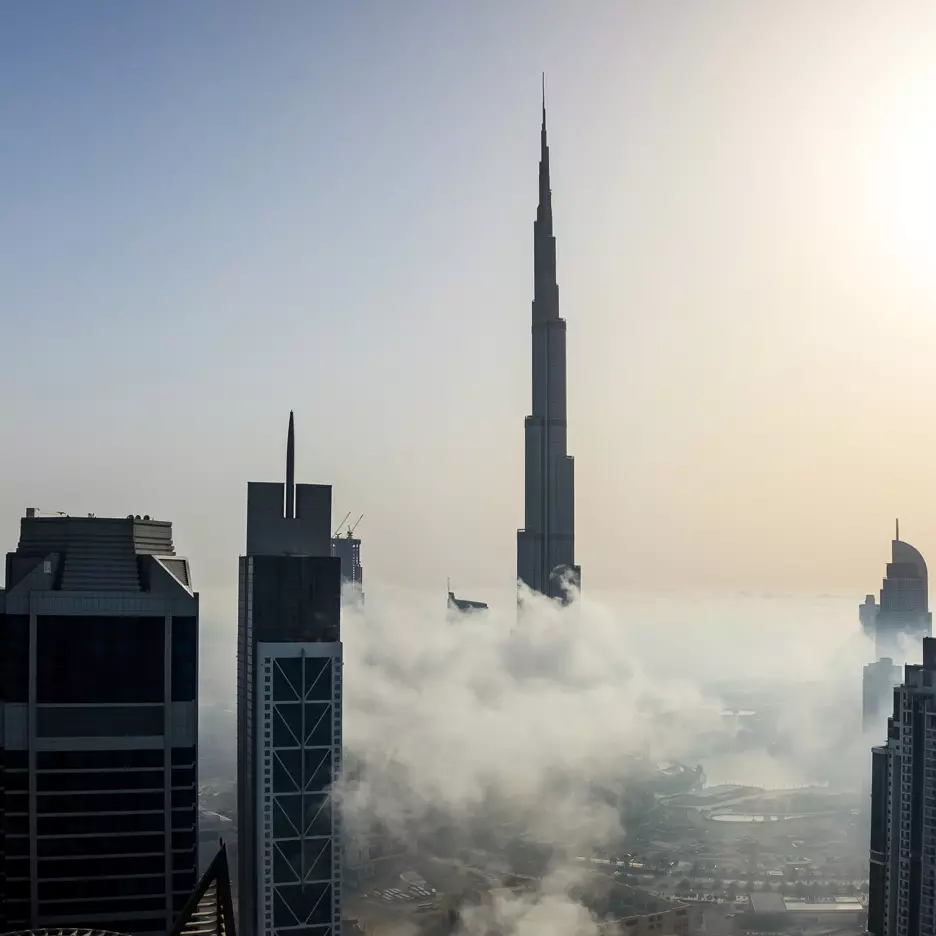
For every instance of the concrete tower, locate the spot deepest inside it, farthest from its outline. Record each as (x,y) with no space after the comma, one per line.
(546,544)
(289,712)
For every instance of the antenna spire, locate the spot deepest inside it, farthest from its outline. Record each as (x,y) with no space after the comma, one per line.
(544,100)
(897,530)
(291,469)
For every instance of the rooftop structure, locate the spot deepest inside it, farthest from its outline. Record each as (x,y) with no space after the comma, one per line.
(464,604)
(774,910)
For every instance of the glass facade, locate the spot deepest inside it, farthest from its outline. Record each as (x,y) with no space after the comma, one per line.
(99,659)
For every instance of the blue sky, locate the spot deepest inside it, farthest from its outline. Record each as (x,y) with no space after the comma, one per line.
(215,212)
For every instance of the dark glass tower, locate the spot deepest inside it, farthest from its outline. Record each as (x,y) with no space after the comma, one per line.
(546,544)
(98,726)
(902,877)
(289,712)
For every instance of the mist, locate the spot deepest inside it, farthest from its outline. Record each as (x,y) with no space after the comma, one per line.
(480,734)
(498,706)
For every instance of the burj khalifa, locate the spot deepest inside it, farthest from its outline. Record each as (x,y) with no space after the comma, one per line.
(546,544)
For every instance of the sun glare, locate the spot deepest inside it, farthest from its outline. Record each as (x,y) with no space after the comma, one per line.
(907,185)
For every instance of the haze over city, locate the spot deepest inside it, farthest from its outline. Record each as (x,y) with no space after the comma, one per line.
(655,696)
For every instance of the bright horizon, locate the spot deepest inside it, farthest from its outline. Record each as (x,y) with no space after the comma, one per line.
(216,215)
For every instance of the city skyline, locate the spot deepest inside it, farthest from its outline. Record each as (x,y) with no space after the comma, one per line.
(737,268)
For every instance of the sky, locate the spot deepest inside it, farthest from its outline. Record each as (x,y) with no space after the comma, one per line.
(214,213)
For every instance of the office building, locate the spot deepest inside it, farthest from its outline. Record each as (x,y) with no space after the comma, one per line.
(289,712)
(546,544)
(903,613)
(902,890)
(98,726)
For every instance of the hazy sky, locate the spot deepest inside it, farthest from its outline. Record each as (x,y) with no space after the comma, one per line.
(214,212)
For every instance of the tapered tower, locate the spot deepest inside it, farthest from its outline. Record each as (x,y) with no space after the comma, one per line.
(546,544)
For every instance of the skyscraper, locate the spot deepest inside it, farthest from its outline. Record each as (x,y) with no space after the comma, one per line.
(867,615)
(347,547)
(877,690)
(546,544)
(903,612)
(289,711)
(98,726)
(902,891)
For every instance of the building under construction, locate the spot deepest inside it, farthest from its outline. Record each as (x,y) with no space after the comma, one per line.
(347,547)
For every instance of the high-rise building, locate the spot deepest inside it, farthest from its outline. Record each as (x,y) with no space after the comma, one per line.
(867,615)
(289,712)
(546,544)
(902,892)
(877,692)
(347,547)
(903,612)
(98,726)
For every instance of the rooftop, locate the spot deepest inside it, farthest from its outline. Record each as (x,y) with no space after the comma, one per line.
(767,902)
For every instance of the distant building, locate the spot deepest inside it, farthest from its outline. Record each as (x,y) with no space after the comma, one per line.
(772,912)
(98,726)
(877,694)
(867,615)
(903,612)
(903,823)
(347,547)
(289,711)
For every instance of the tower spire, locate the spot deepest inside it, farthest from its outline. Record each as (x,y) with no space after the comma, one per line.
(544,210)
(291,469)
(897,529)
(544,101)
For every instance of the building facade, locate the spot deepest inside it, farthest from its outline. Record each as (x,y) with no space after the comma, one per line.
(546,544)
(98,726)
(289,712)
(902,890)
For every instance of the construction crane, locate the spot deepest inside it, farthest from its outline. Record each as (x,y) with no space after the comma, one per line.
(340,525)
(351,529)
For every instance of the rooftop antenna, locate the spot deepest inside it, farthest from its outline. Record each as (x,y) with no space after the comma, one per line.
(291,469)
(897,531)
(340,525)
